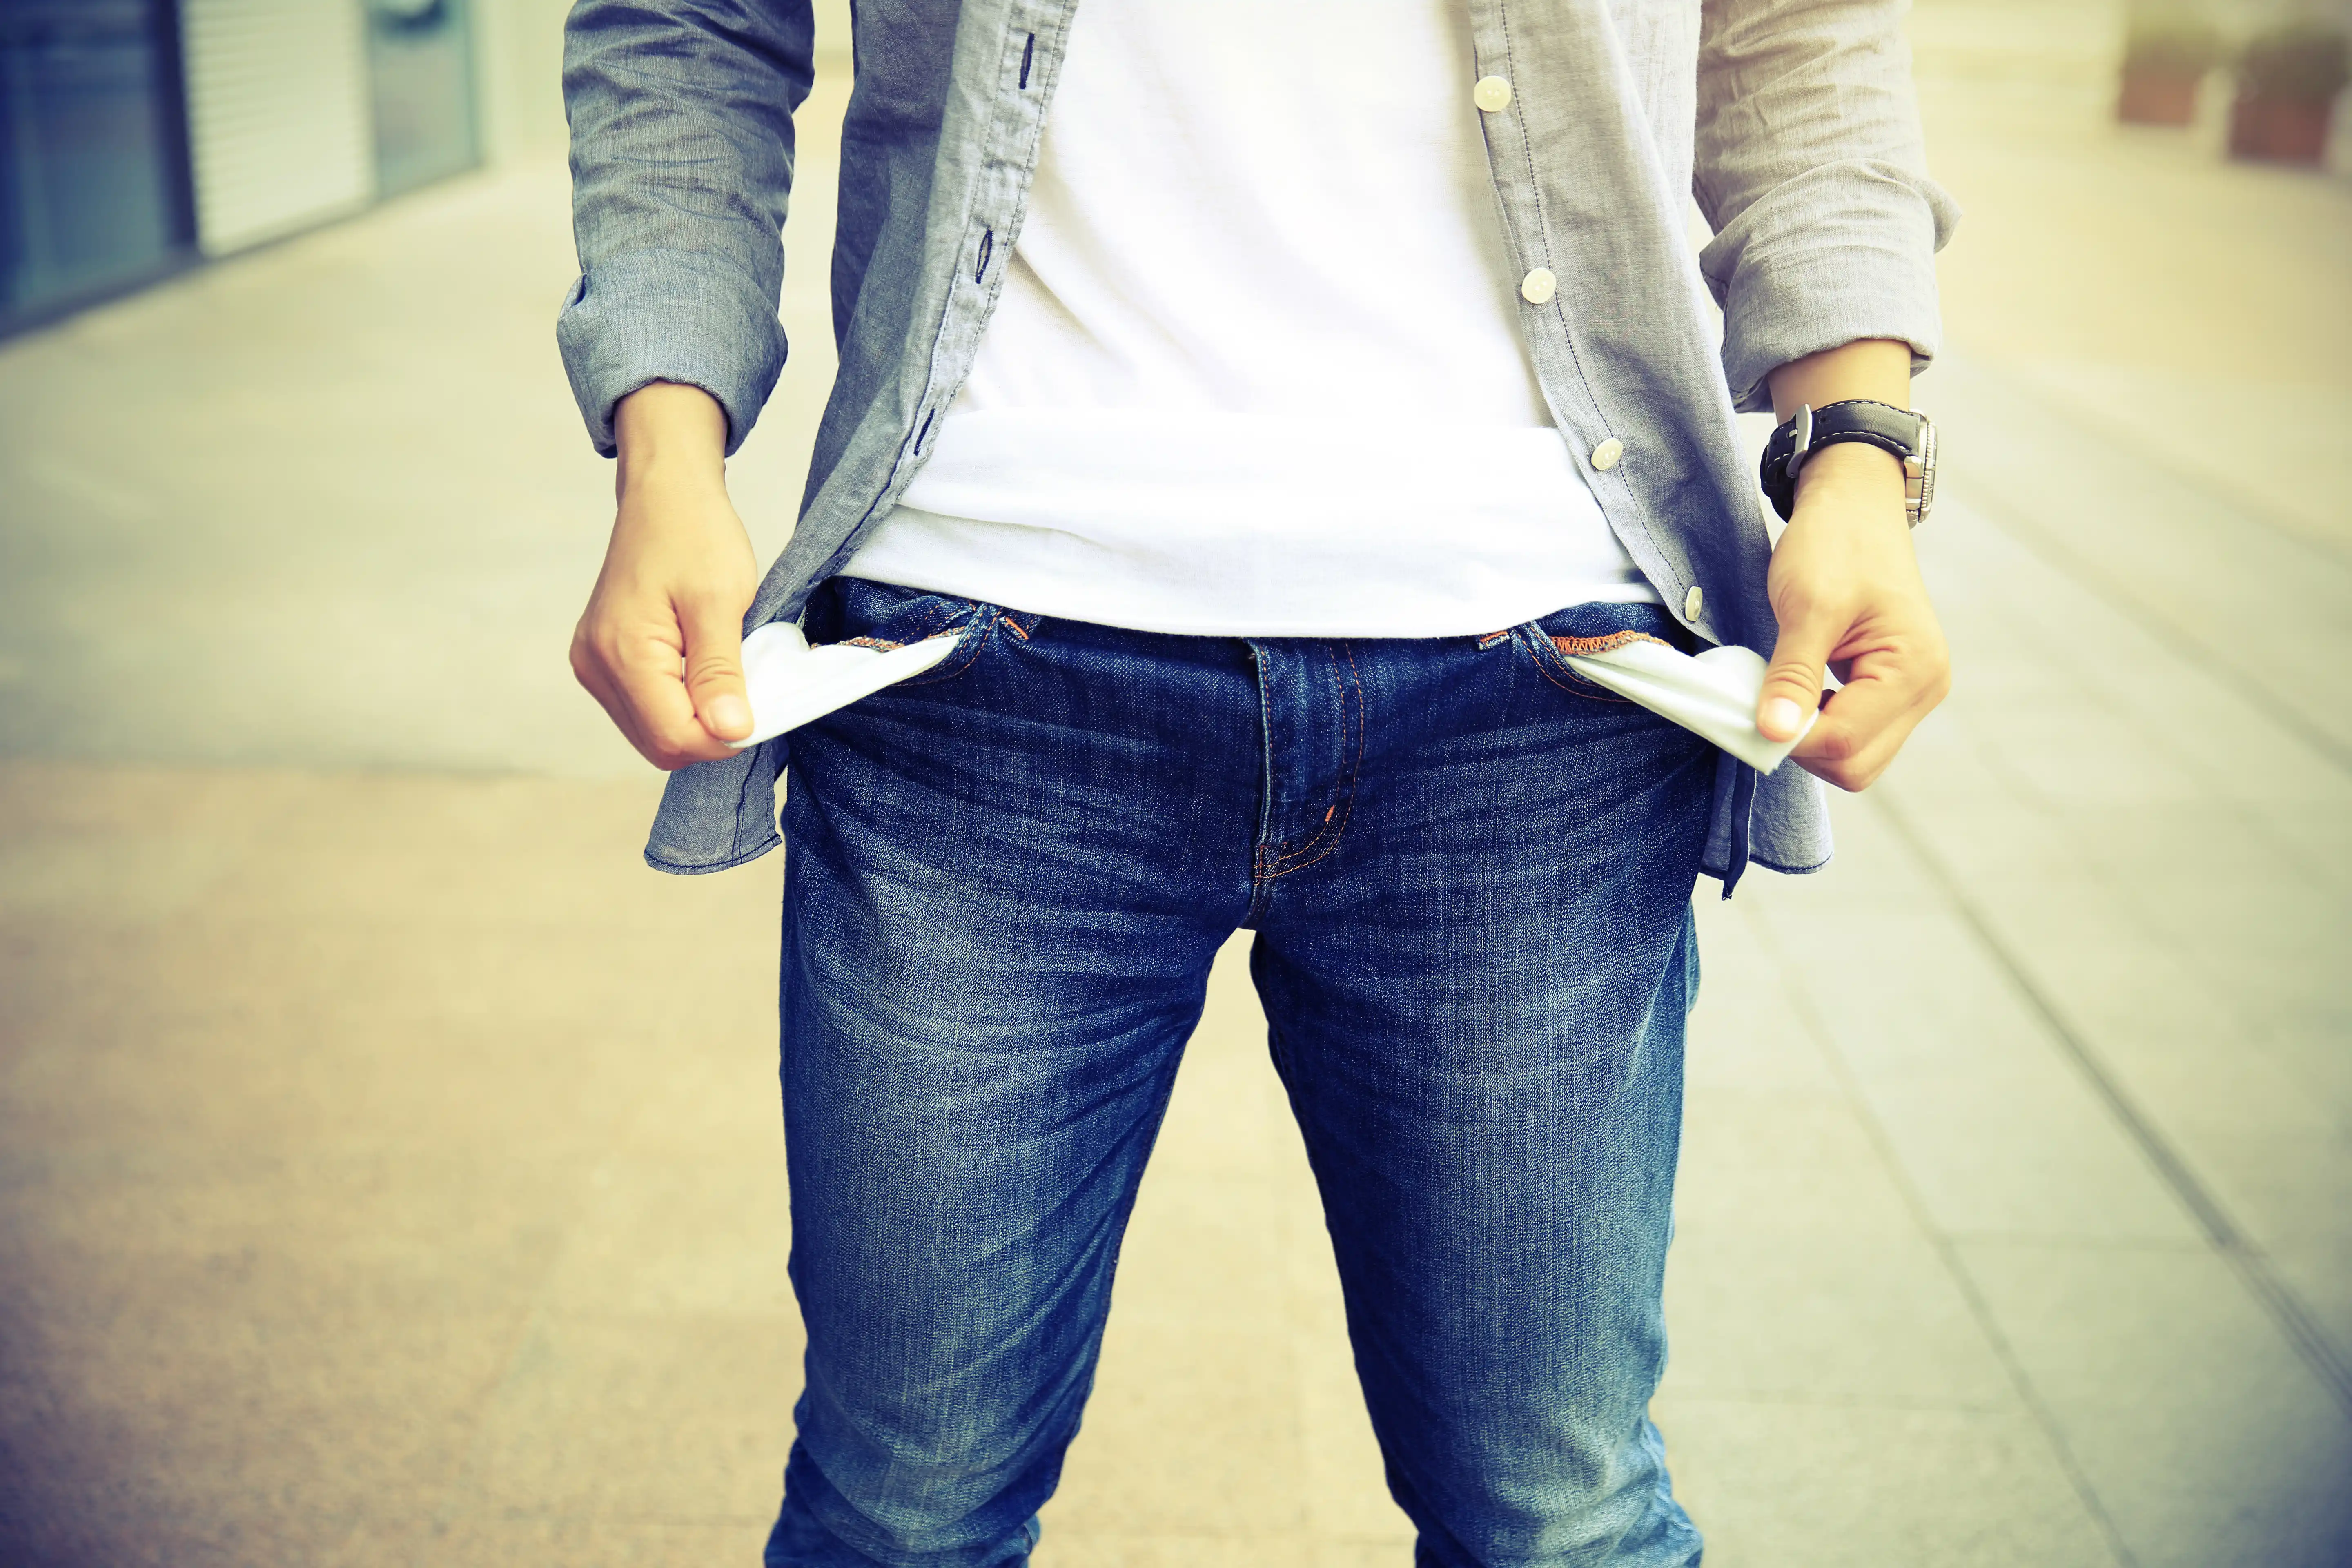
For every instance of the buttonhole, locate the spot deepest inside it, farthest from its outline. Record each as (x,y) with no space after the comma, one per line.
(987,247)
(925,430)
(1028,52)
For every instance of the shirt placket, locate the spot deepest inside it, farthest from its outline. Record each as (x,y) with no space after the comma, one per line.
(1027,62)
(1551,336)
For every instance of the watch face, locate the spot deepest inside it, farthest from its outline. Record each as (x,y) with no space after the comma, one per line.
(1924,486)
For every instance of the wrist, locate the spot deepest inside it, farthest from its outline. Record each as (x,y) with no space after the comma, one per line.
(670,478)
(672,438)
(1853,470)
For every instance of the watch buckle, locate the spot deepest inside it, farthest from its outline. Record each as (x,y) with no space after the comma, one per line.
(1802,445)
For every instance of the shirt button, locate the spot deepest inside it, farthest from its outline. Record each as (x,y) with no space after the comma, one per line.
(1605,456)
(1492,94)
(1692,602)
(1537,287)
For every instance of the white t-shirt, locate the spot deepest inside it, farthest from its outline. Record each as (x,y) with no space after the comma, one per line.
(1256,369)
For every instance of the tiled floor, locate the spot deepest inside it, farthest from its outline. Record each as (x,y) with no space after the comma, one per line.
(388,1165)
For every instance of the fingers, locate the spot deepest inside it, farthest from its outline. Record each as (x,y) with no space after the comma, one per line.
(1792,686)
(588,669)
(714,665)
(1845,587)
(1866,723)
(660,645)
(636,676)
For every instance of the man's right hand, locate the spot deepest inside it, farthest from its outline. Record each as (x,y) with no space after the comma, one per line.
(661,642)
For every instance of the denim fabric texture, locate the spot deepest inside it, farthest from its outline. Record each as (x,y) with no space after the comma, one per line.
(1793,121)
(1469,875)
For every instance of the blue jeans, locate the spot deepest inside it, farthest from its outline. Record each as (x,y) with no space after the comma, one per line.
(1469,873)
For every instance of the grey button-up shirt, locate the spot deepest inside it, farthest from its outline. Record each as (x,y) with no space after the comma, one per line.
(1792,121)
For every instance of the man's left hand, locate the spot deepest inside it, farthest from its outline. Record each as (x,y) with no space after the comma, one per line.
(1845,587)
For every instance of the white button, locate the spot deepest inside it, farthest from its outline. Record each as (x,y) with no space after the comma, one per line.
(1692,602)
(1492,94)
(1605,456)
(1537,287)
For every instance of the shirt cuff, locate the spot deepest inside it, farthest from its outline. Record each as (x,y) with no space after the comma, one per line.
(669,315)
(1835,256)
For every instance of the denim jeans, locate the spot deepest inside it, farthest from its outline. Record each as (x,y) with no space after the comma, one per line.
(1468,873)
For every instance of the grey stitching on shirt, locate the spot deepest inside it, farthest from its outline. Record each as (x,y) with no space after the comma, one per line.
(1028,52)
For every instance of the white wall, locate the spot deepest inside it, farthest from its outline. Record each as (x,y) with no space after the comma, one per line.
(281,134)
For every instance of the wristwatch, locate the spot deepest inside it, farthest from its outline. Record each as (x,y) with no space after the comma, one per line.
(1907,436)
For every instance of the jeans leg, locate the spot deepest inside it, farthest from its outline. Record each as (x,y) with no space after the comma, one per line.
(989,967)
(1476,1004)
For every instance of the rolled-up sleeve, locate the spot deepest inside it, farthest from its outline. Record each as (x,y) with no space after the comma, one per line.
(681,114)
(1812,172)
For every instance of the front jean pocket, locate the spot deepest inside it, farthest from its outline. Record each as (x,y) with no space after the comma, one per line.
(882,615)
(1584,630)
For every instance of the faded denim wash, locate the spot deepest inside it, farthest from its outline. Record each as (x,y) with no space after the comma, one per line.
(1791,122)
(1469,873)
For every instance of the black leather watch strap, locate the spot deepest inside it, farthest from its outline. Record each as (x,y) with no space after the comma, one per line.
(1898,432)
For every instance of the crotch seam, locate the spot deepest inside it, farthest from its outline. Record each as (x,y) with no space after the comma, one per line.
(1349,694)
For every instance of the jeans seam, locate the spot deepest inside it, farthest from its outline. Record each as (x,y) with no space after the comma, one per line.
(1266,786)
(974,639)
(932,623)
(1538,640)
(1327,834)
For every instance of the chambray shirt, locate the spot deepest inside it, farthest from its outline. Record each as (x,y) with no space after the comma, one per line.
(1793,121)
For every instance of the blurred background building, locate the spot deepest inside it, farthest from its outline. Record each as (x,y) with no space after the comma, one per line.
(140,136)
(137,137)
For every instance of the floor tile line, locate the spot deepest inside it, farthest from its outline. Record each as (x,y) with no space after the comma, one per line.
(1687,1394)
(2077,1243)
(2119,597)
(1801,1000)
(2057,406)
(2245,1257)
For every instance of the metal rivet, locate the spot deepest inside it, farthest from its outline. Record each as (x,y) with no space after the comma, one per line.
(1537,287)
(1492,94)
(1605,456)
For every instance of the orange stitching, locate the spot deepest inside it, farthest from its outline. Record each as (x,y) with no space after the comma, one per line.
(1277,875)
(872,642)
(1591,692)
(1013,626)
(1279,870)
(948,669)
(1585,647)
(1339,693)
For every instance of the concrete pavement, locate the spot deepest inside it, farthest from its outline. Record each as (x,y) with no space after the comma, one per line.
(389,1169)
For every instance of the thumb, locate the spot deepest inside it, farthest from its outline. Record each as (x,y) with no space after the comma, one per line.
(1792,686)
(714,665)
